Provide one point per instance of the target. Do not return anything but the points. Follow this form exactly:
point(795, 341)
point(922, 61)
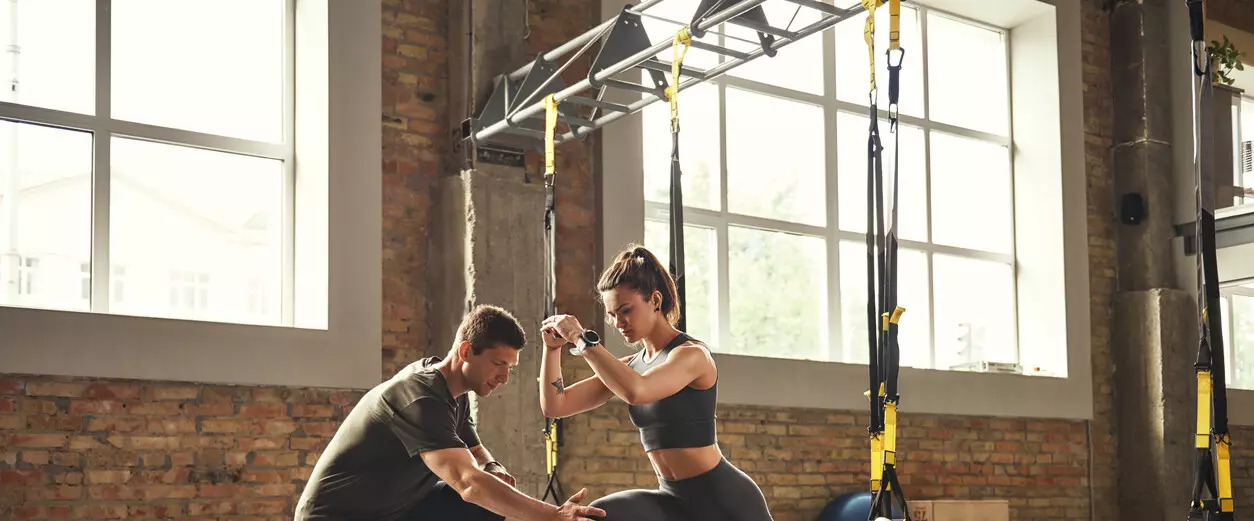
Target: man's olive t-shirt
point(371, 469)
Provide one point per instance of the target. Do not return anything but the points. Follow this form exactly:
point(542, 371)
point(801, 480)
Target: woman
point(670, 388)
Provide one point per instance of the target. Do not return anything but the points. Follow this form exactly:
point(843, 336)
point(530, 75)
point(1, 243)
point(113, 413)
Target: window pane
point(957, 54)
point(778, 294)
point(1242, 359)
point(701, 267)
point(914, 334)
point(851, 131)
point(56, 66)
point(45, 215)
point(217, 69)
point(1246, 179)
point(194, 229)
point(974, 312)
point(971, 198)
point(775, 158)
point(698, 148)
point(798, 66)
point(853, 80)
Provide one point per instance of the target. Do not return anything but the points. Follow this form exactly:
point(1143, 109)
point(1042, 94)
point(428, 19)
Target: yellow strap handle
point(1202, 440)
point(682, 37)
point(894, 25)
point(1223, 459)
point(550, 127)
point(868, 34)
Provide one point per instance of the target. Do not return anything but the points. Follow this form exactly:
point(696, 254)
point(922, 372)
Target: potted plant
point(1227, 58)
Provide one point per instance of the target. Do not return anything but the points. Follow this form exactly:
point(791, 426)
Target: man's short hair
point(488, 326)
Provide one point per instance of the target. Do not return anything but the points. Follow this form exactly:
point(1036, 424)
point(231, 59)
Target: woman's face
point(630, 313)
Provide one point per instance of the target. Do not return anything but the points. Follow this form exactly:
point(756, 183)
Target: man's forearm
point(481, 454)
point(493, 494)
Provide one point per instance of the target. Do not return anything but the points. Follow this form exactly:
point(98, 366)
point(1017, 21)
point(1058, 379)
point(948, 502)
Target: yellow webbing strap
point(877, 461)
point(684, 38)
point(894, 25)
point(1202, 440)
point(550, 127)
point(890, 433)
point(1223, 457)
point(868, 34)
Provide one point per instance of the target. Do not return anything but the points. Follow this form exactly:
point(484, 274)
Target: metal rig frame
point(513, 118)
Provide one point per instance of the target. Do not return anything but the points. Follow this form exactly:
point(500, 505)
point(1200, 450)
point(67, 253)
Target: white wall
point(339, 229)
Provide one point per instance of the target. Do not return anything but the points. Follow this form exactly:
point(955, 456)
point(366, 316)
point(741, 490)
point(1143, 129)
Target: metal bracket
point(627, 37)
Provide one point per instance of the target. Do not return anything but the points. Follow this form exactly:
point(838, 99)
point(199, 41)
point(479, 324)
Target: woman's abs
point(676, 464)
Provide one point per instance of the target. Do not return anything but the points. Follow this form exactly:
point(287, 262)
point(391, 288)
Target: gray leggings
point(725, 493)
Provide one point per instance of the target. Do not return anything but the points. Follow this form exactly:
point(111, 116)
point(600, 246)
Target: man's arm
point(481, 454)
point(457, 468)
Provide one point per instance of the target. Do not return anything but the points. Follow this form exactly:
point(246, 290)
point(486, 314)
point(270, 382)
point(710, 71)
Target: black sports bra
point(682, 420)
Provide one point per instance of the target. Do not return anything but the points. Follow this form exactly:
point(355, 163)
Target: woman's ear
point(655, 299)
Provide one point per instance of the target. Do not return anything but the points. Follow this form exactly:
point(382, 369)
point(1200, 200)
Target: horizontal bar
point(720, 50)
point(616, 69)
point(630, 85)
point(565, 48)
point(763, 28)
point(819, 6)
point(570, 120)
point(589, 102)
point(711, 74)
point(141, 131)
point(665, 66)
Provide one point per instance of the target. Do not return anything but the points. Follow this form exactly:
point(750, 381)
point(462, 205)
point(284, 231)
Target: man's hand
point(571, 510)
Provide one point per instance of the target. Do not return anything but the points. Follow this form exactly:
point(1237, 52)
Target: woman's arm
point(684, 365)
point(559, 401)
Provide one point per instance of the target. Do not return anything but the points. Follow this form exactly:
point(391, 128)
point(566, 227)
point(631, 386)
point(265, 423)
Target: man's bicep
point(452, 466)
point(427, 424)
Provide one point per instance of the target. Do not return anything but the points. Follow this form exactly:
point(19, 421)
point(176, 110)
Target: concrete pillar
point(1154, 334)
point(487, 241)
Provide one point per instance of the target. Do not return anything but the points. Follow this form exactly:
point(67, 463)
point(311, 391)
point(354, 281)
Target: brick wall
point(109, 449)
point(415, 105)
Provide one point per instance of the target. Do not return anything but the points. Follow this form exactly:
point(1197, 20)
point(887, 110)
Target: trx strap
point(1211, 438)
point(883, 313)
point(552, 426)
point(684, 38)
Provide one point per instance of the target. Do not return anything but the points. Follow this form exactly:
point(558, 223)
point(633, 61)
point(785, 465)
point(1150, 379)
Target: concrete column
point(487, 242)
point(1154, 334)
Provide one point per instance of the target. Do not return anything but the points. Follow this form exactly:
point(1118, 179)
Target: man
point(409, 451)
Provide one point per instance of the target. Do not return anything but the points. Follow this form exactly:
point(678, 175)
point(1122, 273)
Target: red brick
point(171, 392)
point(103, 391)
point(272, 410)
point(38, 440)
point(21, 477)
point(12, 422)
point(11, 386)
point(54, 388)
point(94, 407)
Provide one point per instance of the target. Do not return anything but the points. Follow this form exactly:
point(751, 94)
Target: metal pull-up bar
point(513, 114)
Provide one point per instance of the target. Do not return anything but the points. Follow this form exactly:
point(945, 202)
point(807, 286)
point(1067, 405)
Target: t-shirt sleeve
point(467, 431)
point(426, 424)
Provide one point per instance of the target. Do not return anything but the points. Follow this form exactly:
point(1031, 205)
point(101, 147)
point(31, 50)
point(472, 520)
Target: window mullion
point(723, 291)
point(835, 336)
point(287, 284)
point(101, 264)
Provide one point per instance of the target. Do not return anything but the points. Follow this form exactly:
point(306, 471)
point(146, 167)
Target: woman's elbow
point(549, 411)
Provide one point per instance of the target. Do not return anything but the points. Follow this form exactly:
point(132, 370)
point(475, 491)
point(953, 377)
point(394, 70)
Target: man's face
point(487, 371)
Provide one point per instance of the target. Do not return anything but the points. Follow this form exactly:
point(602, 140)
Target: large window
point(139, 140)
point(1243, 142)
point(1237, 307)
point(774, 159)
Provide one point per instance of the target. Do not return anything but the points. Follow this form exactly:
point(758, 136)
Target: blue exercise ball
point(854, 506)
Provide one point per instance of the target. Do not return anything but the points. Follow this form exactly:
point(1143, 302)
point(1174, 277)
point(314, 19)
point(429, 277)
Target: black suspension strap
point(1212, 441)
point(682, 38)
point(552, 426)
point(883, 311)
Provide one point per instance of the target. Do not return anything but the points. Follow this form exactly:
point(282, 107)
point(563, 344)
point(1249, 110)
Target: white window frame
point(1049, 161)
point(335, 330)
point(103, 127)
point(831, 232)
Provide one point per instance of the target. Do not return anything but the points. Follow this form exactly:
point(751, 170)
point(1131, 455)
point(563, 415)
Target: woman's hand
point(567, 328)
point(552, 340)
